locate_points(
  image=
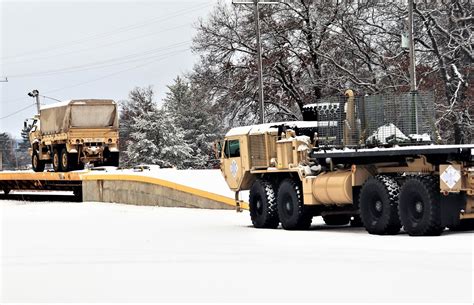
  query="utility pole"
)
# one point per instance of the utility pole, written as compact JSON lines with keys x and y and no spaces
{"x":35,"y":94}
{"x":259,"y":52}
{"x":411,"y":47}
{"x":411,"y":41}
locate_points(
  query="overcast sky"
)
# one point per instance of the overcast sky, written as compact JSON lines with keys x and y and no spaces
{"x":91,"y":49}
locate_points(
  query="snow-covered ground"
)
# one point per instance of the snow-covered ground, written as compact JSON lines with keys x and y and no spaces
{"x":86,"y":252}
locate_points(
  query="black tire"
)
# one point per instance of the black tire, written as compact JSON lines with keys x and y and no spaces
{"x":56,"y":161}
{"x":262,"y":203}
{"x":36,"y":163}
{"x":291,"y":211}
{"x":6,"y":191}
{"x":68,"y":161}
{"x":378,"y":204}
{"x":336,"y":220}
{"x":420,"y":211}
{"x":113,"y":159}
{"x":463,"y":225}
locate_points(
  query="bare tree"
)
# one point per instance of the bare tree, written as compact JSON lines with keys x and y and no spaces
{"x":312,"y":49}
{"x":447,"y":34}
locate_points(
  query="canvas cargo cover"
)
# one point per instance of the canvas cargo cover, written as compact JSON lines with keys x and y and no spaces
{"x":60,"y":117}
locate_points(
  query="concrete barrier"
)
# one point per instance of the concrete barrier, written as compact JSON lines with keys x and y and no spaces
{"x":145,"y":190}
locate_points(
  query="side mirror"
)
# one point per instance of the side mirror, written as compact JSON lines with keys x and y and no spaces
{"x":218,"y":149}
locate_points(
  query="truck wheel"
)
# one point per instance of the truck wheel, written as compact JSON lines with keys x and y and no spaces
{"x":263,"y":208}
{"x":336,"y":220}
{"x":56,"y":161}
{"x":378,"y":204}
{"x":420,"y":206}
{"x":113,"y":159}
{"x":463,"y":225}
{"x":68,"y":161}
{"x":6,"y":191}
{"x":291,"y":210}
{"x":37,"y":164}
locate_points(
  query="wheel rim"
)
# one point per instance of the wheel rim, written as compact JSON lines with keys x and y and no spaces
{"x":416,"y":209}
{"x":376,"y":207}
{"x":56,"y":160}
{"x":259,"y":207}
{"x":288,"y":205}
{"x":64,"y":160}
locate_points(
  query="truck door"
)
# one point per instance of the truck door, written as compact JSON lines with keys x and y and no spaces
{"x":232,"y":163}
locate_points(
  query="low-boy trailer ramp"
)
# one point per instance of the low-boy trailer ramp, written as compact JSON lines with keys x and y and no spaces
{"x":44,"y":181}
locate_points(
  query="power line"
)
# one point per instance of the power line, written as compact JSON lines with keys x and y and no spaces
{"x":18,"y":111}
{"x":99,"y":78}
{"x":113,"y":32}
{"x":95,"y":47}
{"x":118,"y":72}
{"x":104,"y":63}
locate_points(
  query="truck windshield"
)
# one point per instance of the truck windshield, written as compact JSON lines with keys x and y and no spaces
{"x":232,"y":149}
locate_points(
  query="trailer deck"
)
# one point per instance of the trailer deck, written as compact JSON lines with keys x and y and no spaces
{"x":29,"y":180}
{"x":395,"y":154}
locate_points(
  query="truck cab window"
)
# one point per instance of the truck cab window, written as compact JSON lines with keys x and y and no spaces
{"x":232,"y":149}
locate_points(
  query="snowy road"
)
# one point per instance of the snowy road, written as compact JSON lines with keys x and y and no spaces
{"x":86,"y":252}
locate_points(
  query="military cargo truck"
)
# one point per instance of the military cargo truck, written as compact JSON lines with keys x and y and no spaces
{"x":341,"y":166}
{"x":73,"y":133}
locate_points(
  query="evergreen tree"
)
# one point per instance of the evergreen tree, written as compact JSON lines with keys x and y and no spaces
{"x":25,"y":140}
{"x":7,"y":151}
{"x":150,"y":134}
{"x":195,"y":117}
{"x":139,"y":100}
{"x":23,"y":158}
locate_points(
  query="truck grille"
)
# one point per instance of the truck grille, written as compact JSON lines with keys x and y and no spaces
{"x":257,"y":146}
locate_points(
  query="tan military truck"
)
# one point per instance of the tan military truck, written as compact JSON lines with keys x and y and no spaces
{"x":324,"y":167}
{"x":73,"y":133}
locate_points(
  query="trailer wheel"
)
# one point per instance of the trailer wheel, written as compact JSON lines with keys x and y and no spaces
{"x":36,"y":163}
{"x":56,"y":161}
{"x":378,"y":204}
{"x":463,"y":225}
{"x":262,"y":203}
{"x":291,"y":210}
{"x":420,"y":206}
{"x":336,"y":220}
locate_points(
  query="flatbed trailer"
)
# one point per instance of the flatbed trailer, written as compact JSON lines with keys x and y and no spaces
{"x":43,"y":181}
{"x":435,"y":154}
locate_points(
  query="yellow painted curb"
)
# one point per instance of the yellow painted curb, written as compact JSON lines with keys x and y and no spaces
{"x":165,"y":183}
{"x":47,"y":176}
